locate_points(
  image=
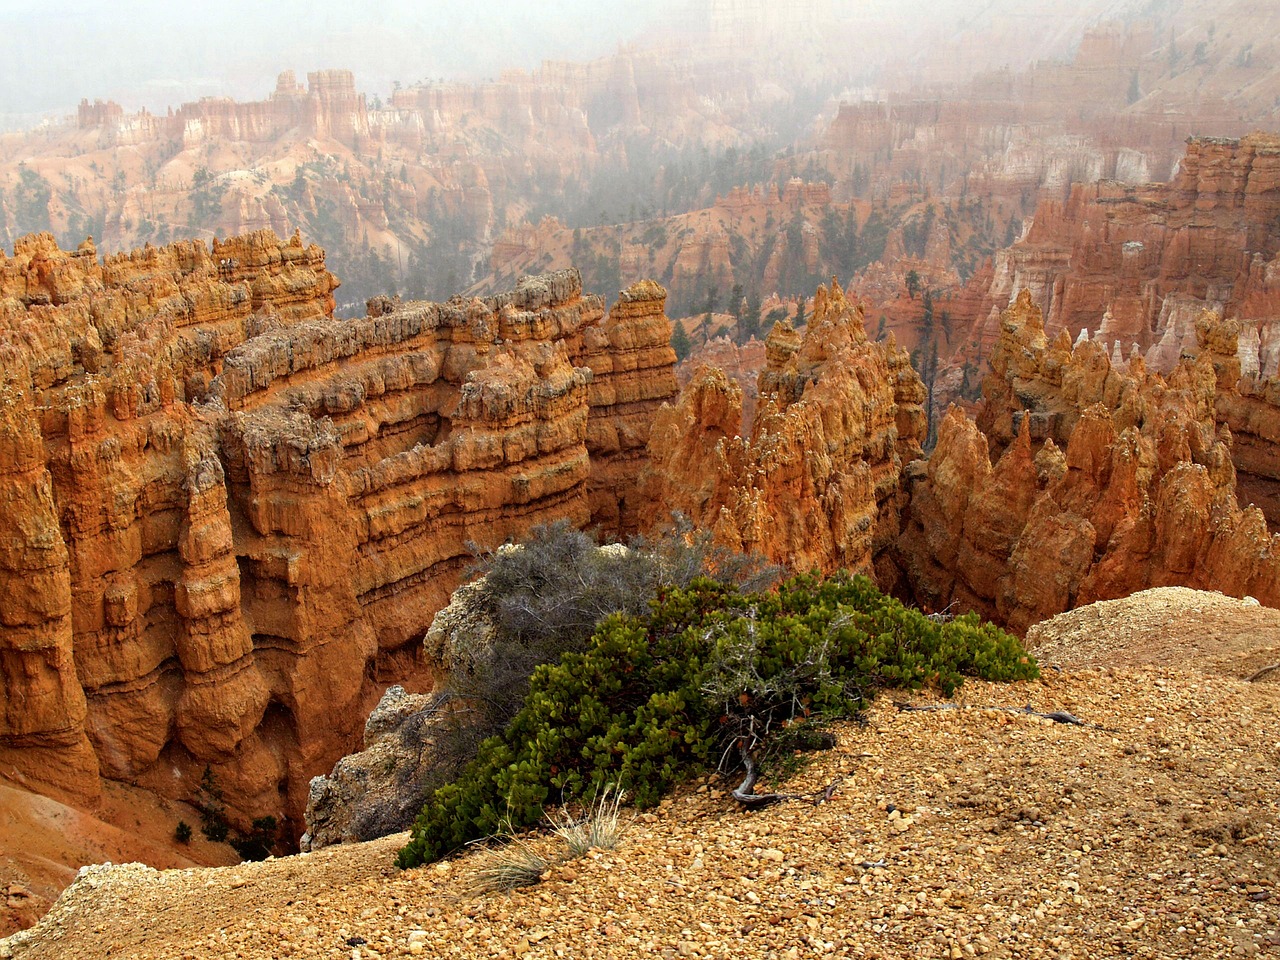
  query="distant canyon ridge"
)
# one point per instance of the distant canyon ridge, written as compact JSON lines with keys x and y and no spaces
{"x":234,"y":515}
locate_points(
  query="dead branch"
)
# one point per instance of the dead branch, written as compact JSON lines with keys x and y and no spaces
{"x":745,"y":793}
{"x":1057,"y":716}
{"x":1264,"y":672}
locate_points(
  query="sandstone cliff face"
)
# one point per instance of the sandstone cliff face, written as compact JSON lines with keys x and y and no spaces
{"x":1137,"y":264}
{"x":232,"y":514}
{"x":1109,"y":479}
{"x":815,"y":482}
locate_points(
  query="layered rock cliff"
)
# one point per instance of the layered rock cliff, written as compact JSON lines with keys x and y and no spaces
{"x":1109,"y":479}
{"x":814,"y":484}
{"x":1136,"y":264}
{"x":233,"y":516}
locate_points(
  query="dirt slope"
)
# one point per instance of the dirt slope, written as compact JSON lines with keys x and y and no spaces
{"x":1214,"y":633}
{"x":39,"y":836}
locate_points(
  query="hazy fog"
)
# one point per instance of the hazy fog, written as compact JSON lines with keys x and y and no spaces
{"x":155,"y":53}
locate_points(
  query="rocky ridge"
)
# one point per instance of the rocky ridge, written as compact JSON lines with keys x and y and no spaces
{"x":1150,"y":831}
{"x":234,"y":513}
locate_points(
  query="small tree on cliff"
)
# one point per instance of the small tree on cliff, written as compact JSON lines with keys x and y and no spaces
{"x":708,"y":315}
{"x":736,"y":304}
{"x":680,"y":342}
{"x":913,"y":283}
{"x":749,"y":325}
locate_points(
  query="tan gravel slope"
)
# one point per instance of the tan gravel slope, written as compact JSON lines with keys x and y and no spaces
{"x":1165,"y":626}
{"x":953,"y":834}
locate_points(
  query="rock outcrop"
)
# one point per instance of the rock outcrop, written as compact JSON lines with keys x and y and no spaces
{"x":231,"y":514}
{"x":815,"y":482}
{"x":1109,"y":479}
{"x":378,"y":790}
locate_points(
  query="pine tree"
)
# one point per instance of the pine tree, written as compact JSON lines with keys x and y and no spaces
{"x":749,"y":325}
{"x":680,"y":342}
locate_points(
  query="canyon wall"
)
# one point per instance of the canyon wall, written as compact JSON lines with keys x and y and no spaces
{"x":1138,"y":263}
{"x":1109,"y":478}
{"x":1134,"y":268}
{"x":234,"y":516}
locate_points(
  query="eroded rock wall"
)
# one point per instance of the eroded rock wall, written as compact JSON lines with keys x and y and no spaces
{"x":1108,"y":479}
{"x":1137,"y":263}
{"x":233,"y":516}
{"x":815,"y":482}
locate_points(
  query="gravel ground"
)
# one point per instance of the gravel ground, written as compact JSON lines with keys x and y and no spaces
{"x":956,"y":833}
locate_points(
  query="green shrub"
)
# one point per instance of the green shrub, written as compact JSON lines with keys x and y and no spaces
{"x":544,"y":599}
{"x":182,"y":832}
{"x":259,"y":841}
{"x":213,"y":814}
{"x":655,"y":698}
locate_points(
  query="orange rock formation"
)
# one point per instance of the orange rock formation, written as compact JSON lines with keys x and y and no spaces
{"x":1137,"y":264}
{"x":1109,"y":479}
{"x":815,"y":482}
{"x":232,"y":516}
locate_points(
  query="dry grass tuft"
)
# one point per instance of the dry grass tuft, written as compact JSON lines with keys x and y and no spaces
{"x":600,"y":828}
{"x":513,"y":865}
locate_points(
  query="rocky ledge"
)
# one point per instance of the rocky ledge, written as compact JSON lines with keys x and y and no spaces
{"x":1151,"y":831}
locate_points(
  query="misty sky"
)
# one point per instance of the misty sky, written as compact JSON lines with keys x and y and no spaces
{"x":161,"y":53}
{"x":156,"y":53}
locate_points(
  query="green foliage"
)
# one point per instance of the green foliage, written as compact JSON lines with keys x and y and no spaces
{"x":182,"y":832}
{"x":749,"y":324}
{"x":656,"y":698}
{"x":680,"y":341}
{"x":213,"y":814}
{"x":257,"y":843}
{"x":254,"y":845}
{"x":31,"y":198}
{"x":544,"y":599}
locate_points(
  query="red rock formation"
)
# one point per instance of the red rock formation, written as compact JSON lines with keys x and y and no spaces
{"x":1144,"y":261}
{"x":740,"y":363}
{"x":235,"y":515}
{"x":815,"y":482}
{"x":1109,"y":479}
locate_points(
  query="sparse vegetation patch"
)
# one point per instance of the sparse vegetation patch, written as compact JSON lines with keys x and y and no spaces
{"x":697,"y":682}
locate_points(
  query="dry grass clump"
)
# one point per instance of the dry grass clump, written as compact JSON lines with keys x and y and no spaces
{"x":508,"y":867}
{"x":517,"y":863}
{"x":600,"y":828}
